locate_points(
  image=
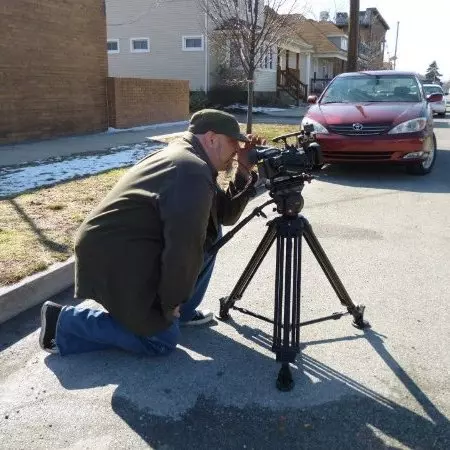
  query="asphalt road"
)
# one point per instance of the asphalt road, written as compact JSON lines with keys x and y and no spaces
{"x":387,"y":234}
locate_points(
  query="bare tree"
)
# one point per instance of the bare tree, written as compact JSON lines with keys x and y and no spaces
{"x":252,"y":30}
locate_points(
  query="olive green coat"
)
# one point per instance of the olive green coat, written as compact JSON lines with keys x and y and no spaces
{"x":140,"y":251}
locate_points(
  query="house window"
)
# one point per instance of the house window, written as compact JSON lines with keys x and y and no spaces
{"x":266,"y":58}
{"x":193,"y":43}
{"x":344,"y":44}
{"x":113,"y":46}
{"x":139,"y":45}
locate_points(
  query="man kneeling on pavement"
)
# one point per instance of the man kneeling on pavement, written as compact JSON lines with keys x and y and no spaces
{"x":142,"y":253}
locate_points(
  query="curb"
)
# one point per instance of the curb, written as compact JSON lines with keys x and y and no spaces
{"x":35,"y":289}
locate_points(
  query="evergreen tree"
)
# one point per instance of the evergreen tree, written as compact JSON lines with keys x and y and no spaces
{"x":433,"y":73}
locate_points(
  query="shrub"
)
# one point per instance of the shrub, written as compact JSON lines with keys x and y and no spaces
{"x":227,"y":95}
{"x":198,"y":100}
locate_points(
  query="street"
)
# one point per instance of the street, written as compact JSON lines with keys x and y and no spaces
{"x":387,"y":235}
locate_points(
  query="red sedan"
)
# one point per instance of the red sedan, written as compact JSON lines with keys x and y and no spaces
{"x":376,"y":116}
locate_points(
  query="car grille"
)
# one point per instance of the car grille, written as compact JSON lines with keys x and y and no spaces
{"x":367,"y":130}
{"x":357,"y":156}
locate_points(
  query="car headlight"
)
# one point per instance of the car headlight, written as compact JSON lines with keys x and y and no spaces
{"x":318,"y":127}
{"x":410,"y":126}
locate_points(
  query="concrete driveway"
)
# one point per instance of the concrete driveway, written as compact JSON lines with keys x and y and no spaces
{"x":387,"y":235}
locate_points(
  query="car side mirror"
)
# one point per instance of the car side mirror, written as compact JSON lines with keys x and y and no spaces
{"x":312,"y":99}
{"x":434,"y":98}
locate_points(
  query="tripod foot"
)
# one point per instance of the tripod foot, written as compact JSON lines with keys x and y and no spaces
{"x":285,"y":382}
{"x":224,"y":312}
{"x":358,"y":318}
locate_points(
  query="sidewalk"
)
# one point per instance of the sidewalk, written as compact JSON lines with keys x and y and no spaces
{"x":32,"y":151}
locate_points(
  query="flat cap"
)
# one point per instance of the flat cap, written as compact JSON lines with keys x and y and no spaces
{"x":218,"y":121}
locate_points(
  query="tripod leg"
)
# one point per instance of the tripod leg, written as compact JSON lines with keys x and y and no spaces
{"x":227,"y":302}
{"x":285,"y":382}
{"x":357,"y":311}
{"x":286,"y":329}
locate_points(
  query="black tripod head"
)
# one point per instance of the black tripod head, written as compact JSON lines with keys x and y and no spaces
{"x":287,"y":193}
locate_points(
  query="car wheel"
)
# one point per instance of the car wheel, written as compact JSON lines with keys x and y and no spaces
{"x":425,"y":166}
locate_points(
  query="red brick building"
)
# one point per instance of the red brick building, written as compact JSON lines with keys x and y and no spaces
{"x":53,"y":68}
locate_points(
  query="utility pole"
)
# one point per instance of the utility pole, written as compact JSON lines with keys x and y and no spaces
{"x":396,"y":42}
{"x":353,"y":36}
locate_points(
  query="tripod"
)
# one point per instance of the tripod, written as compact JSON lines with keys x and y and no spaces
{"x":287,"y":229}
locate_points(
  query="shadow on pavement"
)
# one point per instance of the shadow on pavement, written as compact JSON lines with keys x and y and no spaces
{"x":189,"y":400}
{"x":29,"y":321}
{"x":380,"y":176}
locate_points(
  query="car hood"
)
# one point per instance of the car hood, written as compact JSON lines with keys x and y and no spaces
{"x":344,"y":113}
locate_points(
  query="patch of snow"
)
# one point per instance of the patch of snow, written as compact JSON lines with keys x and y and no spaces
{"x":17,"y":179}
{"x":260,"y":109}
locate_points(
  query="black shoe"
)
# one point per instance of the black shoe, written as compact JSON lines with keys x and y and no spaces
{"x":49,"y":318}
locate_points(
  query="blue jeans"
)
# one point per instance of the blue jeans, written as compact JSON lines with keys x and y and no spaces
{"x":82,"y":330}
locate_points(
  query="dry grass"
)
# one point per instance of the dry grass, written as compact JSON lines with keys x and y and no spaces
{"x":37,"y":228}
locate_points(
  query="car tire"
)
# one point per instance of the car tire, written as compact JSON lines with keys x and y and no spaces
{"x":423,"y":167}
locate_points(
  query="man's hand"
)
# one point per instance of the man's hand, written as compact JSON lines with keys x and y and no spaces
{"x":243,"y":152}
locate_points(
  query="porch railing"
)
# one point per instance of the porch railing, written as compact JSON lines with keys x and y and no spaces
{"x":289,"y":82}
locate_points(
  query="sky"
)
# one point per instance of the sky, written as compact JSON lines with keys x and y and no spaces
{"x":423,"y":29}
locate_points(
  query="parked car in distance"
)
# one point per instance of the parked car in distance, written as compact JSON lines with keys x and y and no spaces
{"x":439,"y":108}
{"x":375,"y":116}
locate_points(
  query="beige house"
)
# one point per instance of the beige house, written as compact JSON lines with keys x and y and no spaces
{"x":328,"y":49}
{"x":168,"y":40}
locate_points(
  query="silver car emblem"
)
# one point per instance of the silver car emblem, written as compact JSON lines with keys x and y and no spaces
{"x":358,"y":126}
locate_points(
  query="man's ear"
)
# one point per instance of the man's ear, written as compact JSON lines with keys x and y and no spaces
{"x":211,"y":139}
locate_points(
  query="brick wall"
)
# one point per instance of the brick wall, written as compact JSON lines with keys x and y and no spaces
{"x":137,"y":101}
{"x":53,"y":68}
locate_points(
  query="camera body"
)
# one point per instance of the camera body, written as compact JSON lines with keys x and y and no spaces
{"x":294,"y":159}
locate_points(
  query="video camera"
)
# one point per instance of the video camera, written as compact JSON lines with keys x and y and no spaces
{"x":295,"y":159}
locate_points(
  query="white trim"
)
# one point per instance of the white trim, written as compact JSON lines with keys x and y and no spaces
{"x":113,"y":51}
{"x":308,"y":72}
{"x":206,"y":54}
{"x":147,"y":50}
{"x":193,"y":49}
{"x":330,"y":55}
{"x":337,"y":35}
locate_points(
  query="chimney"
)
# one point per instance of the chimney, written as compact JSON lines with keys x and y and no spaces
{"x":341,"y":18}
{"x":324,"y":16}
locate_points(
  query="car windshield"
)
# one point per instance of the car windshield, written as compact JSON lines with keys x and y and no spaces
{"x":432,"y":90}
{"x":365,"y":87}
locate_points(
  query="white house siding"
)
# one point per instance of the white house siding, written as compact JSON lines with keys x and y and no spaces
{"x":322,"y":67}
{"x":292,"y":60}
{"x":265,"y":80}
{"x":164,"y":23}
{"x":303,"y":68}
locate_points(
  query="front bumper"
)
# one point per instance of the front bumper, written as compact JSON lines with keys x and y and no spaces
{"x":379,"y":148}
{"x":438,"y":107}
